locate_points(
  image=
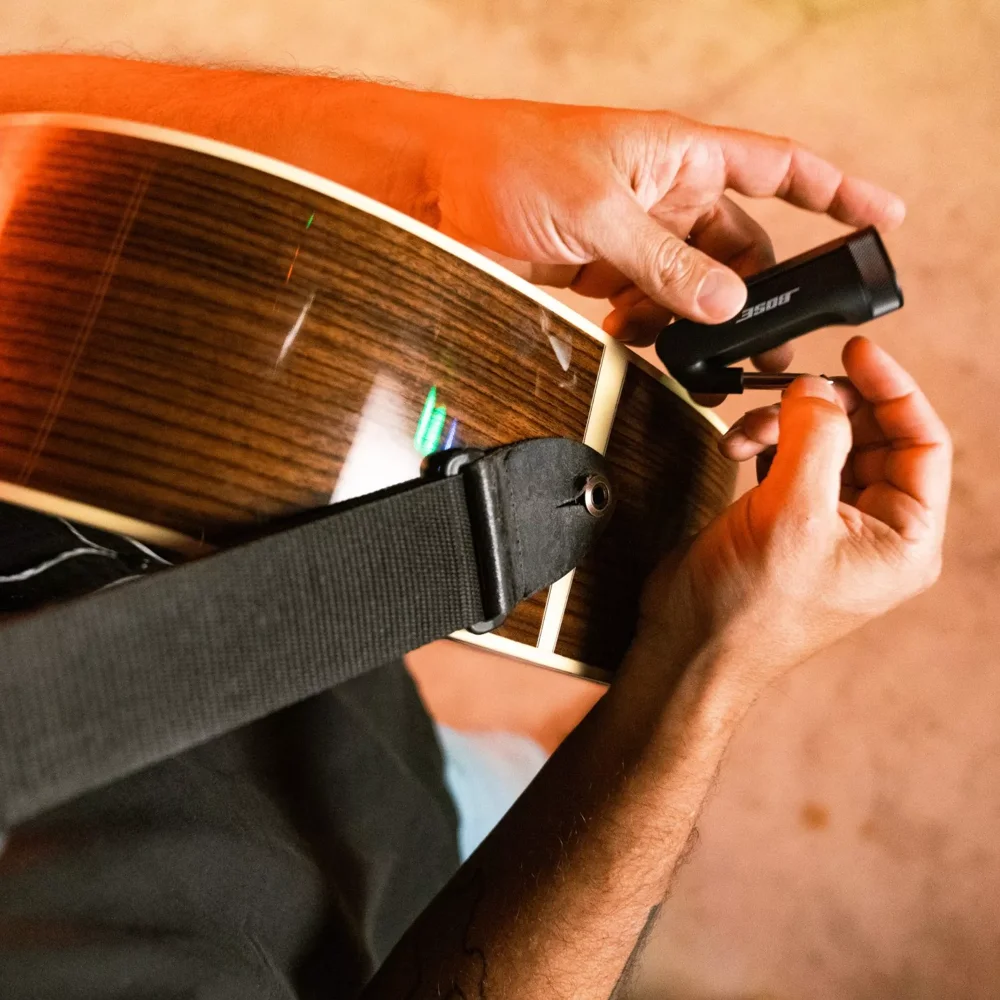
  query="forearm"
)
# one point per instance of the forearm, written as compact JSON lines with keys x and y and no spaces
{"x":552,"y":903}
{"x":377,"y":139}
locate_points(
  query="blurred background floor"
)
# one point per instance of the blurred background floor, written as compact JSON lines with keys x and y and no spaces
{"x":850,"y":849}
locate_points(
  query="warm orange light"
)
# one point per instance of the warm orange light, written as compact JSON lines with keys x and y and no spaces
{"x":21,"y":150}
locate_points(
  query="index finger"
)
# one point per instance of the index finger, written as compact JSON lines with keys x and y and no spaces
{"x":919,"y":462}
{"x":767,"y":166}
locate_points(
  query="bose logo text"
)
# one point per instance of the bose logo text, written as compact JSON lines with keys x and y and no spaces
{"x":762,"y":307}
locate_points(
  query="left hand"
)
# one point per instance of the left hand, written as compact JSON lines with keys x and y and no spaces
{"x":631,"y":206}
{"x":848,"y":523}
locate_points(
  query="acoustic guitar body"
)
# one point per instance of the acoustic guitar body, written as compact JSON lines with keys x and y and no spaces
{"x":194,"y":338}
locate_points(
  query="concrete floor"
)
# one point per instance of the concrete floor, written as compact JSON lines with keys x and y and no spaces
{"x":851,"y":848}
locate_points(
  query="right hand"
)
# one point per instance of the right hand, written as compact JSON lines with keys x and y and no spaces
{"x":847,"y":524}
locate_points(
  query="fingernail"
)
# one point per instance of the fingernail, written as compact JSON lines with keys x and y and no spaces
{"x":721,"y":295}
{"x":812,"y":385}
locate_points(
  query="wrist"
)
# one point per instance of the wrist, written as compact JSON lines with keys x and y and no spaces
{"x":712,"y":682}
{"x":667,"y":729}
{"x":384,"y":142}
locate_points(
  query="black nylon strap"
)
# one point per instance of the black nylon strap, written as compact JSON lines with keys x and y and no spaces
{"x":97,"y":688}
{"x":70,"y":720}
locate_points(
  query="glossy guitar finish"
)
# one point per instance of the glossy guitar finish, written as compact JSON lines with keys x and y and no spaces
{"x":194,"y":337}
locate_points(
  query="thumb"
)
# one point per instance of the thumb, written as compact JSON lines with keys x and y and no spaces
{"x":685,"y":280}
{"x":814,"y":440}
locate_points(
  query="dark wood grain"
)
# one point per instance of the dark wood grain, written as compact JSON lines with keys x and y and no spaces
{"x":148,"y":292}
{"x":669,"y":480}
{"x":199,"y":344}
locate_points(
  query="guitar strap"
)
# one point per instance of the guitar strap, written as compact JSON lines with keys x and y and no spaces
{"x":99,"y":687}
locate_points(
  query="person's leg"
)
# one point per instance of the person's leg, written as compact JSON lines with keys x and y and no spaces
{"x":485,"y":773}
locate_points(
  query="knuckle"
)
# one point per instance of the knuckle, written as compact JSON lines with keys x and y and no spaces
{"x":947,"y":443}
{"x":764,"y":247}
{"x":827,"y":421}
{"x":822,"y":421}
{"x":673,"y":264}
{"x":924,"y":575}
{"x":933,"y":572}
{"x":830,"y":416}
{"x":789,"y":151}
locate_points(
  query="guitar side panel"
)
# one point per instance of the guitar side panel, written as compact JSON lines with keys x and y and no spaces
{"x":670,"y":480}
